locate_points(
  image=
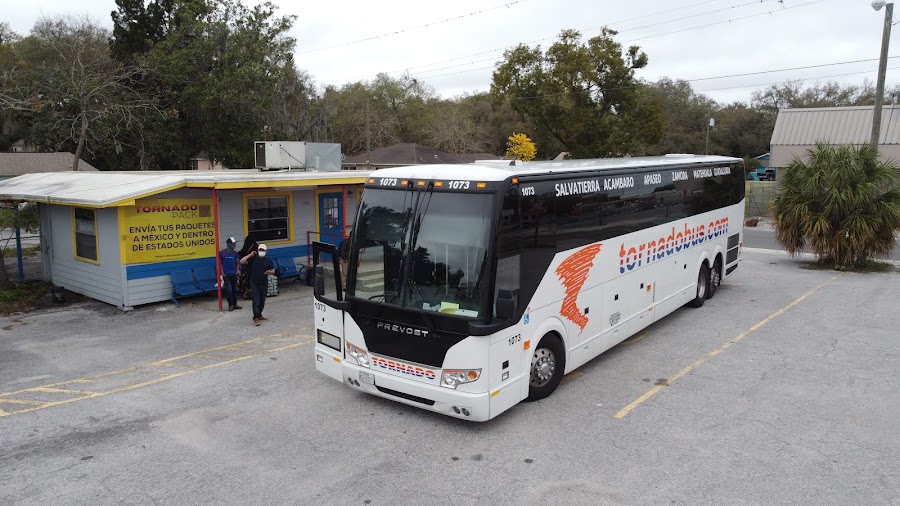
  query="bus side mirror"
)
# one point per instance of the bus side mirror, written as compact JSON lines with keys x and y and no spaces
{"x":506,"y":304}
{"x":319,"y":283}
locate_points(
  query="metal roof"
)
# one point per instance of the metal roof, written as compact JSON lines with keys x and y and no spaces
{"x":834,"y":125}
{"x":109,"y":189}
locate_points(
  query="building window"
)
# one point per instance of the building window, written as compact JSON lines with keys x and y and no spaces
{"x":331,"y":208}
{"x":269,"y":217}
{"x":84,"y":224}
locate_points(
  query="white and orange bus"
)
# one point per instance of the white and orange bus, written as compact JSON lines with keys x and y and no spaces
{"x":471,"y":288}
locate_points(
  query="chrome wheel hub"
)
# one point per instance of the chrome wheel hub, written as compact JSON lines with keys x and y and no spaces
{"x":543,"y":366}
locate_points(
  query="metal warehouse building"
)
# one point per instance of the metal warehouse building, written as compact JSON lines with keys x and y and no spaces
{"x":120,"y":237}
{"x":798,"y":130}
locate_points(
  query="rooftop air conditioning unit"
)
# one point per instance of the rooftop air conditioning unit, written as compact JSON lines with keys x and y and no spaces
{"x":297,"y":155}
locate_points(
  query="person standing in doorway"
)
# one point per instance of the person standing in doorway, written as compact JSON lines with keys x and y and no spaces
{"x":230,"y":261}
{"x":260,"y":270}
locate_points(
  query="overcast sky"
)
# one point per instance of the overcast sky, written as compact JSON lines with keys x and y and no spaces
{"x":453,"y":46}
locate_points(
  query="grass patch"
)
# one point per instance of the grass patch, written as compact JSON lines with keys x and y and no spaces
{"x":867,"y":266}
{"x":27,"y":251}
{"x":23,"y":296}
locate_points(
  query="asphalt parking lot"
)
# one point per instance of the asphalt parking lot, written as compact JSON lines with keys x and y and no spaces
{"x":781,"y":389}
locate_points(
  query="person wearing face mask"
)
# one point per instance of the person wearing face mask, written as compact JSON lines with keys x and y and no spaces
{"x":260,"y":269}
{"x":229,"y":260}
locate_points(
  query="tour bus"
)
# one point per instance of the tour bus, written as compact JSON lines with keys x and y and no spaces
{"x":473,"y":287}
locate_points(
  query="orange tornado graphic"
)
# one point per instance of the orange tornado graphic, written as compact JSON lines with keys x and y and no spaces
{"x":573,"y":272}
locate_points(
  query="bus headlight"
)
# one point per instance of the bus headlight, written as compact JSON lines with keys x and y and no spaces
{"x":452,"y":378}
{"x":358,"y":354}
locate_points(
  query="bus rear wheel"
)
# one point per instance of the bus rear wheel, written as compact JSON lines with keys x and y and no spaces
{"x":715,"y":278}
{"x":547,"y":366}
{"x":702,"y":287}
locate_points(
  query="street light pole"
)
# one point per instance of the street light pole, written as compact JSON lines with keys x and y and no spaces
{"x":882,"y":68}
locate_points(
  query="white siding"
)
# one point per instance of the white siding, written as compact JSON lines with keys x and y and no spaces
{"x":101,"y":281}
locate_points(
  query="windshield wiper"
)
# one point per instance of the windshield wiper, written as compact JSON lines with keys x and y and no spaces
{"x":409,"y":258}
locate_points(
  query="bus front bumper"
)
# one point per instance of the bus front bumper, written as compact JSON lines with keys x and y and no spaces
{"x":464,"y":405}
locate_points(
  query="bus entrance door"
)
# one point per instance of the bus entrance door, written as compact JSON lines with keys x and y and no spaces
{"x":328,"y":310}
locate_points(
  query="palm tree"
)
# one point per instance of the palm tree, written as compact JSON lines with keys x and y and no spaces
{"x":844,"y":203}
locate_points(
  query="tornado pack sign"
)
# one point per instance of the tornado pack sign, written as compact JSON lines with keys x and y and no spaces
{"x":163,"y":230}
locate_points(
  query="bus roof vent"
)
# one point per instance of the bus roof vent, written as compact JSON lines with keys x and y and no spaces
{"x":679,"y":155}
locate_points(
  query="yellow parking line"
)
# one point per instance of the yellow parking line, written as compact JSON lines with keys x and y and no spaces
{"x":637,"y":338}
{"x":572,"y":375}
{"x":655,"y":390}
{"x":189,"y":369}
{"x":67,"y":391}
{"x":22,"y":401}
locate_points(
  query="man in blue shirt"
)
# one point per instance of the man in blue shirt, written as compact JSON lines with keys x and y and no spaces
{"x":260,"y":270}
{"x":229,"y":259}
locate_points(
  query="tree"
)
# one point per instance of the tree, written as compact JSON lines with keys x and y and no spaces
{"x":138,"y":25}
{"x":685,"y":116}
{"x":520,"y":147}
{"x":844,"y":203}
{"x":220,"y":63}
{"x":75,"y":94}
{"x":582,"y":97}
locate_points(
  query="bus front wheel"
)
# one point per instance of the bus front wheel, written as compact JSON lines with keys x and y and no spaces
{"x":702,"y":287}
{"x":547,"y":366}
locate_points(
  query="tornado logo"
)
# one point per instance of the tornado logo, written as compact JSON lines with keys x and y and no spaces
{"x":573,"y":272}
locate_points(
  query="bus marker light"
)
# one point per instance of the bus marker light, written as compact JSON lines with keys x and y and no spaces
{"x":404,"y":182}
{"x":439,"y":183}
{"x":480,"y":185}
{"x":335,"y":359}
{"x":515,"y":180}
{"x":528,"y":344}
{"x":648,"y":287}
{"x":495,"y":393}
{"x":371,"y":180}
{"x":420,"y":183}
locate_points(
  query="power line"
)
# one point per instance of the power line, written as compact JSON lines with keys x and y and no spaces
{"x":806,"y":67}
{"x":404,"y":30}
{"x":497,"y":50}
{"x":633,"y":40}
{"x":790,"y":80}
{"x":727,"y":21}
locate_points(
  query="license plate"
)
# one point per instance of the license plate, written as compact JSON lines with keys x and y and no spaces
{"x":366,"y":377}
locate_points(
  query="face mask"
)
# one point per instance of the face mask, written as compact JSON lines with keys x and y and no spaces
{"x":262,"y":253}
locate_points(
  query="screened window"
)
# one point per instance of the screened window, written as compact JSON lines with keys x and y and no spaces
{"x":268,"y":218}
{"x":85,"y":225}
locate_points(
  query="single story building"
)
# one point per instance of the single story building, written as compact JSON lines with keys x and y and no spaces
{"x":798,"y":130}
{"x":120,"y":237}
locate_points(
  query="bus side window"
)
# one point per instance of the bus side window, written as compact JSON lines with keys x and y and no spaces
{"x":539,"y":218}
{"x":509,"y":245}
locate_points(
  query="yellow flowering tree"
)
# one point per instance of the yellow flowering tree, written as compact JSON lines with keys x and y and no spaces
{"x":520,"y":147}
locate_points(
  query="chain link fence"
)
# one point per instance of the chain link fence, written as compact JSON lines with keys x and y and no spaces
{"x":759,"y":198}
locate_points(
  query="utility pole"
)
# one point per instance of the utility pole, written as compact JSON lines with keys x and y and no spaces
{"x":368,"y":137}
{"x":882,"y":67}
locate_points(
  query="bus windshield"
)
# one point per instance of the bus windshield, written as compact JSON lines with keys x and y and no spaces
{"x":422,"y":249}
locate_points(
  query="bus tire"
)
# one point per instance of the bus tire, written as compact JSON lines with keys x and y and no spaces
{"x":547,"y":367}
{"x":715,"y":278}
{"x":702,"y":287}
